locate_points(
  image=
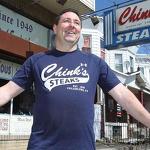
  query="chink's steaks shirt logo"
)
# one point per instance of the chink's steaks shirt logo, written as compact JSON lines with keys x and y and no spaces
{"x":54,"y":76}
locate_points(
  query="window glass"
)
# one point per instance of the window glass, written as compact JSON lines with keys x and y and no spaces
{"x":22,"y":104}
{"x":118,"y":62}
{"x":142,"y":69}
{"x":131,"y":64}
{"x":87,"y":43}
{"x":5,"y":109}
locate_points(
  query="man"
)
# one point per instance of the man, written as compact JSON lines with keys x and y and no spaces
{"x":65,"y":82}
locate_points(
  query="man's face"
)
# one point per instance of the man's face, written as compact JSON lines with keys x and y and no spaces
{"x":68,"y":28}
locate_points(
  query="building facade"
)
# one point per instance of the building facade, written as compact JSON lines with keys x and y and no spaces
{"x":142,"y":63}
{"x":127,"y":65}
{"x":114,"y":120}
{"x":25,"y":29}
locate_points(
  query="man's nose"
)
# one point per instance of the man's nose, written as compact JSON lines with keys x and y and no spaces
{"x":71,"y":23}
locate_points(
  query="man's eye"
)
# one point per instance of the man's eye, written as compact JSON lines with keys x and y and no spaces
{"x":70,"y":21}
{"x":77,"y":23}
{"x":66,"y":20}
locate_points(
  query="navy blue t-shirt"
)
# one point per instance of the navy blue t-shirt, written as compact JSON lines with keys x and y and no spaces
{"x":65,"y":86}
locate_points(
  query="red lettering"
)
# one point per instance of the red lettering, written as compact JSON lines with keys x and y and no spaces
{"x":132,"y":15}
{"x":124,"y":15}
{"x":3,"y":124}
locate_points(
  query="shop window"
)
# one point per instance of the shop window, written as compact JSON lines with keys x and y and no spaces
{"x":117,"y":131}
{"x":111,"y":104}
{"x":141,"y":69}
{"x":110,"y":108}
{"x":131,"y":64}
{"x":23,"y":104}
{"x":86,"y":43}
{"x":118,"y":62}
{"x":5,"y":109}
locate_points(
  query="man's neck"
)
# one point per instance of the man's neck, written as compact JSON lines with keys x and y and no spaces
{"x":66,"y":47}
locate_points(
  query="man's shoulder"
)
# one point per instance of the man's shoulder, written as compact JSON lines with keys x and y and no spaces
{"x":35,"y":58}
{"x":89,"y":54}
{"x":93,"y":57}
{"x":38,"y":55}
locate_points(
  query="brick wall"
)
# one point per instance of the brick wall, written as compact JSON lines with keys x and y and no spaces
{"x":8,"y":142}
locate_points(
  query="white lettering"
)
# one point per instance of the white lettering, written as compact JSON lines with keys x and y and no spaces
{"x":131,"y":36}
{"x":119,"y":38}
{"x":55,"y":76}
{"x":128,"y":35}
{"x":144,"y":34}
{"x":135,"y":35}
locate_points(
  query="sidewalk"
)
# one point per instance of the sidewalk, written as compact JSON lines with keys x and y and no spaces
{"x":101,"y":146}
{"x":105,"y":147}
{"x":122,"y":147}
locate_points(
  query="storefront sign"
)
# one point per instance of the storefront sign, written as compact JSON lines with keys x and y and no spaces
{"x":7,"y":69}
{"x":15,"y":124}
{"x":4,"y":124}
{"x":23,"y":27}
{"x":133,"y":35}
{"x":21,"y":125}
{"x":133,"y":16}
{"x":132,"y":25}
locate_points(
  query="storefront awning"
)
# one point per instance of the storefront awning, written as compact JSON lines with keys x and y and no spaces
{"x":135,"y":80}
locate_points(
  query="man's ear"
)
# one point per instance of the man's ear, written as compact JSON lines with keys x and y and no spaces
{"x":54,"y":28}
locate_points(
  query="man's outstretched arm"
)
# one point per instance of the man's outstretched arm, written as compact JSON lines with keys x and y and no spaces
{"x":130,"y":103}
{"x":8,"y":91}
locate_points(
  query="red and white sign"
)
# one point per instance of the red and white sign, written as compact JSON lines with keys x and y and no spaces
{"x":21,"y":125}
{"x":4,"y":124}
{"x":127,"y":26}
{"x":15,"y":124}
{"x":133,"y":16}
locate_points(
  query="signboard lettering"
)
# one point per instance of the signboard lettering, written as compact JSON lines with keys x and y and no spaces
{"x":21,"y":125}
{"x":23,"y":27}
{"x":15,"y":125}
{"x":4,"y":124}
{"x":130,"y":15}
{"x":131,"y":36}
{"x":21,"y":24}
{"x":16,"y":22}
{"x":8,"y":69}
{"x":4,"y":68}
{"x":132,"y":25}
{"x":6,"y":18}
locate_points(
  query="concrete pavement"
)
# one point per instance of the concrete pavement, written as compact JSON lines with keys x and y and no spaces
{"x":122,"y":147}
{"x":104,"y":147}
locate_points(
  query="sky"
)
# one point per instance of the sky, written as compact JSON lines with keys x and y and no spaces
{"x":102,"y":4}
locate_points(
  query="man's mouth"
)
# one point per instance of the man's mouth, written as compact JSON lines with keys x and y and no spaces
{"x":70,"y":33}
